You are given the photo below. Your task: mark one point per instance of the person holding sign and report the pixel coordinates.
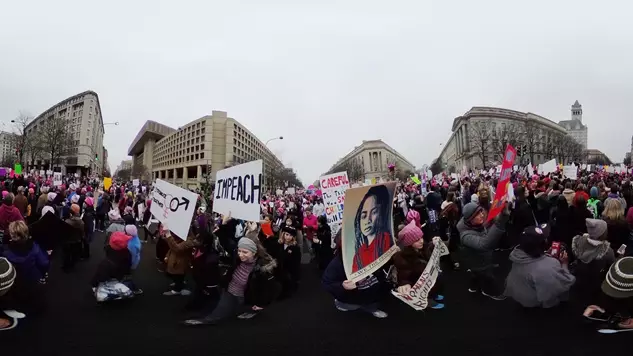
(411, 261)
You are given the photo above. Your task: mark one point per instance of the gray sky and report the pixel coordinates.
(324, 74)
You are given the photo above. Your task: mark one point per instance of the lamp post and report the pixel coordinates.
(273, 139)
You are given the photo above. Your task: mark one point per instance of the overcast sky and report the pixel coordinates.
(323, 74)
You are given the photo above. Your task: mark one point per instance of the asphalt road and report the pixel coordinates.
(306, 324)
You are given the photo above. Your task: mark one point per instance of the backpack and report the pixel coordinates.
(592, 206)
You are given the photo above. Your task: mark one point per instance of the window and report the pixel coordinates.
(202, 146)
(202, 155)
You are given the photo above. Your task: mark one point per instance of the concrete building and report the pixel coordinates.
(82, 114)
(124, 165)
(595, 156)
(7, 149)
(372, 157)
(460, 149)
(575, 127)
(106, 164)
(204, 146)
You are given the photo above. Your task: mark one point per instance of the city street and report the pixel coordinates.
(307, 324)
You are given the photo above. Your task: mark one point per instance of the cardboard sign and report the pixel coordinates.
(17, 168)
(290, 190)
(238, 190)
(135, 182)
(570, 172)
(107, 182)
(333, 187)
(173, 206)
(502, 187)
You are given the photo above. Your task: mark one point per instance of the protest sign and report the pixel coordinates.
(238, 190)
(42, 172)
(549, 167)
(502, 187)
(107, 182)
(570, 172)
(173, 206)
(333, 187)
(17, 168)
(3, 172)
(367, 240)
(140, 208)
(418, 296)
(135, 182)
(290, 190)
(57, 179)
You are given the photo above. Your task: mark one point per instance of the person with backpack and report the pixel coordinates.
(594, 204)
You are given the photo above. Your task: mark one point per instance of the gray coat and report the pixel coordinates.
(477, 245)
(537, 282)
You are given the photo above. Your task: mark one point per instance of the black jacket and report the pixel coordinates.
(290, 262)
(115, 266)
(261, 287)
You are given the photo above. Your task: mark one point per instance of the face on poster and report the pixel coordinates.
(367, 233)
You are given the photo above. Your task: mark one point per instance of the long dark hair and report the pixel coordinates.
(381, 194)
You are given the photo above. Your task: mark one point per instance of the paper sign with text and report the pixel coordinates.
(238, 190)
(135, 182)
(173, 206)
(333, 187)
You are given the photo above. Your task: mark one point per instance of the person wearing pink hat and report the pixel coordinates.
(117, 262)
(411, 261)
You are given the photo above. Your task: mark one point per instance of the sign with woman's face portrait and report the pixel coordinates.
(367, 239)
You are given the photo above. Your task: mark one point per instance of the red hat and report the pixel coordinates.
(410, 234)
(119, 240)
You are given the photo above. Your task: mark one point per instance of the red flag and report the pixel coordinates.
(502, 187)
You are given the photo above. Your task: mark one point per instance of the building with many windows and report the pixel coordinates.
(465, 143)
(7, 147)
(82, 115)
(575, 127)
(371, 160)
(125, 164)
(595, 156)
(184, 156)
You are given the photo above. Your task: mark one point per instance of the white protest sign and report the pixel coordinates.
(57, 179)
(279, 192)
(290, 190)
(570, 172)
(140, 208)
(418, 296)
(549, 166)
(135, 182)
(173, 206)
(238, 190)
(333, 187)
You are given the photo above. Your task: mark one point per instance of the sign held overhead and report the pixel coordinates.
(173, 206)
(238, 190)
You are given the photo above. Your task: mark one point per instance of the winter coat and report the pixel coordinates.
(206, 267)
(179, 256)
(569, 195)
(618, 232)
(311, 226)
(80, 230)
(477, 244)
(324, 249)
(289, 262)
(89, 222)
(20, 202)
(261, 286)
(30, 262)
(537, 281)
(368, 291)
(134, 246)
(592, 261)
(410, 264)
(8, 214)
(520, 218)
(116, 265)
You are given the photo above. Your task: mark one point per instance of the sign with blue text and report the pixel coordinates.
(173, 206)
(238, 191)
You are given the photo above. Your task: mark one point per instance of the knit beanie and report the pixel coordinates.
(247, 244)
(594, 192)
(89, 201)
(413, 215)
(51, 196)
(410, 234)
(469, 210)
(619, 280)
(596, 228)
(474, 198)
(74, 209)
(128, 210)
(48, 209)
(7, 275)
(289, 229)
(5, 193)
(119, 240)
(131, 230)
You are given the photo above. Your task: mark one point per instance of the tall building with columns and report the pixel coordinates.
(183, 156)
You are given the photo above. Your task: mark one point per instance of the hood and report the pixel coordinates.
(266, 264)
(519, 256)
(569, 193)
(587, 249)
(445, 204)
(20, 252)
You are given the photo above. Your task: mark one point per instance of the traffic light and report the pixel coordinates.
(96, 156)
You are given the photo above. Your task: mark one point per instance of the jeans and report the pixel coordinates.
(179, 282)
(100, 222)
(369, 308)
(229, 305)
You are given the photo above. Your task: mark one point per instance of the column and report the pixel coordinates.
(200, 172)
(175, 175)
(185, 176)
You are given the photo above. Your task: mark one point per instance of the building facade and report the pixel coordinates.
(595, 156)
(7, 149)
(575, 127)
(185, 156)
(463, 146)
(125, 164)
(82, 115)
(372, 158)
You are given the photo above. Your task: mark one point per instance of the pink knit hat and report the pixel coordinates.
(5, 193)
(413, 215)
(409, 235)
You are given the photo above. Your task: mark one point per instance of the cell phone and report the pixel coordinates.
(622, 249)
(555, 249)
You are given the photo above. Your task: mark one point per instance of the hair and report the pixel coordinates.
(282, 240)
(614, 188)
(580, 187)
(381, 194)
(8, 200)
(450, 196)
(581, 202)
(568, 185)
(613, 210)
(519, 193)
(19, 231)
(534, 247)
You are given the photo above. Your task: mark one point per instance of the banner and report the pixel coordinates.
(418, 296)
(502, 187)
(367, 240)
(333, 187)
(238, 190)
(173, 206)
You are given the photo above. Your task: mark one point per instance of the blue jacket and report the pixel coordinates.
(31, 263)
(134, 246)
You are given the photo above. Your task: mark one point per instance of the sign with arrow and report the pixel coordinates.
(173, 206)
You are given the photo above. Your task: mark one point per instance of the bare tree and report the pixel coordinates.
(530, 138)
(8, 160)
(355, 171)
(56, 140)
(34, 147)
(437, 166)
(140, 171)
(504, 136)
(19, 141)
(124, 174)
(481, 139)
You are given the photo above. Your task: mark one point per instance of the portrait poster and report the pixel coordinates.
(367, 237)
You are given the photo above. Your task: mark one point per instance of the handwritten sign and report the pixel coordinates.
(135, 182)
(333, 187)
(418, 296)
(173, 206)
(238, 190)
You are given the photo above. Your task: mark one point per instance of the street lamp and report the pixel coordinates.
(273, 139)
(116, 123)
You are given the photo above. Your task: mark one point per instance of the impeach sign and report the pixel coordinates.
(238, 190)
